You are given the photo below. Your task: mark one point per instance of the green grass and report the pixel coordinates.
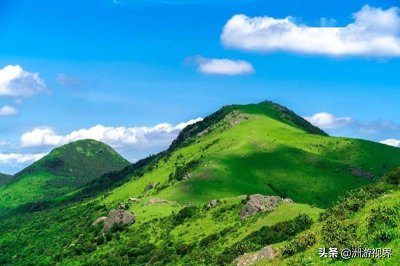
(64, 170)
(264, 155)
(240, 150)
(360, 219)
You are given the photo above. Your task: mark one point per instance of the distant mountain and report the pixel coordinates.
(5, 178)
(62, 171)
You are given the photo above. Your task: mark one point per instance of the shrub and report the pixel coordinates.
(300, 243)
(336, 233)
(393, 177)
(184, 214)
(381, 223)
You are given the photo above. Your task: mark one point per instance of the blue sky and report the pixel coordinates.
(138, 64)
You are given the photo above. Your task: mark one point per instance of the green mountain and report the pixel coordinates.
(191, 204)
(260, 148)
(5, 178)
(64, 170)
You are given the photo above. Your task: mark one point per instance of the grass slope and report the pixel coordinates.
(65, 169)
(259, 148)
(368, 217)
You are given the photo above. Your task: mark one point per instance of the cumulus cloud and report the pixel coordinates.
(16, 82)
(160, 135)
(7, 110)
(17, 158)
(228, 67)
(328, 121)
(391, 142)
(374, 32)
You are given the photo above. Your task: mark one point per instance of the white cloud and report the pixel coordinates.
(65, 80)
(391, 142)
(7, 110)
(160, 135)
(16, 82)
(328, 121)
(374, 32)
(17, 158)
(223, 66)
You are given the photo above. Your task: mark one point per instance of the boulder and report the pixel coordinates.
(134, 200)
(249, 259)
(212, 204)
(288, 201)
(122, 206)
(118, 216)
(260, 203)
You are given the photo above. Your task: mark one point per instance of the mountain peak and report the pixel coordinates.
(267, 108)
(85, 159)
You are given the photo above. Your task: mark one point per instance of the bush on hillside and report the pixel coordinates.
(381, 223)
(339, 234)
(185, 214)
(393, 177)
(299, 243)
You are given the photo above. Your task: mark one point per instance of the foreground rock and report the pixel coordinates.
(260, 203)
(250, 259)
(99, 220)
(116, 217)
(212, 204)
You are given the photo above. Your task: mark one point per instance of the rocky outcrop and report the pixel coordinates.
(235, 117)
(99, 220)
(288, 201)
(134, 200)
(260, 203)
(157, 201)
(114, 217)
(358, 172)
(249, 259)
(212, 204)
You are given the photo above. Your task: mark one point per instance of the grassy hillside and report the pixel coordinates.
(239, 150)
(259, 148)
(64, 170)
(368, 217)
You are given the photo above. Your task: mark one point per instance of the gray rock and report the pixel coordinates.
(122, 206)
(134, 200)
(358, 172)
(288, 201)
(260, 203)
(99, 220)
(118, 216)
(157, 201)
(212, 204)
(249, 259)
